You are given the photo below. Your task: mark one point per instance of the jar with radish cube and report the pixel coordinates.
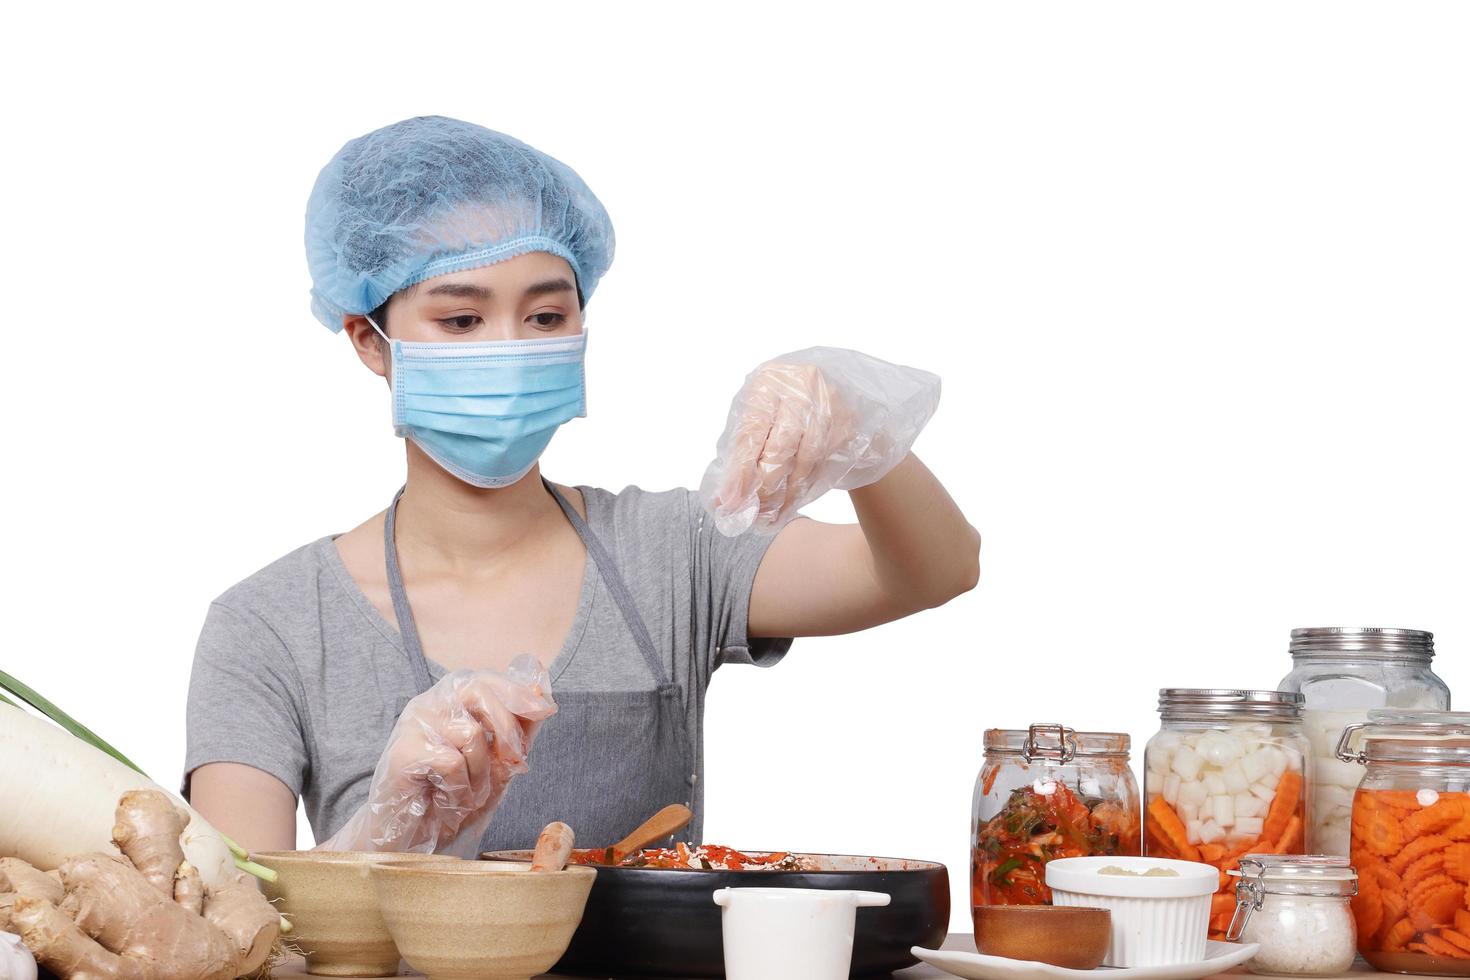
(1226, 777)
(1411, 840)
(1344, 672)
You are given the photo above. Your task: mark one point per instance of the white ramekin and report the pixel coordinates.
(1156, 921)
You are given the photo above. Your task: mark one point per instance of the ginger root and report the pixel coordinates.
(147, 831)
(108, 918)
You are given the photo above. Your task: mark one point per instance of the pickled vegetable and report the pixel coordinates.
(1412, 852)
(1039, 823)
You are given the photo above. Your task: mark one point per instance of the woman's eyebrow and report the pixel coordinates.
(470, 290)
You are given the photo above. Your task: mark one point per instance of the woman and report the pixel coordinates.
(376, 672)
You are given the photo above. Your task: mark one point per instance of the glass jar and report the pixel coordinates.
(1047, 792)
(1343, 672)
(1297, 909)
(1223, 778)
(1411, 840)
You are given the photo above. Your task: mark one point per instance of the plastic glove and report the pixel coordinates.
(449, 761)
(809, 422)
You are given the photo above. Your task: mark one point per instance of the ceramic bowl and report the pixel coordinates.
(1074, 938)
(333, 908)
(486, 920)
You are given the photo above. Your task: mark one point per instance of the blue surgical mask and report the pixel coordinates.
(486, 410)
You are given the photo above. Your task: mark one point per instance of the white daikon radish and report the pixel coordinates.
(1188, 812)
(1214, 784)
(1193, 793)
(1249, 826)
(1246, 805)
(1191, 831)
(1223, 808)
(1222, 749)
(58, 799)
(1211, 832)
(1235, 781)
(1187, 762)
(1171, 788)
(1266, 792)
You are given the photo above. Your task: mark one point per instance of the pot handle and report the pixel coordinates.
(722, 897)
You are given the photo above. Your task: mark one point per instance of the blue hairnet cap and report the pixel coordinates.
(432, 195)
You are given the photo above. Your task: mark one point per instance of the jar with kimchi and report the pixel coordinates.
(1225, 777)
(1411, 840)
(1047, 792)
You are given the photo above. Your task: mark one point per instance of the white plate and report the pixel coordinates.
(1219, 957)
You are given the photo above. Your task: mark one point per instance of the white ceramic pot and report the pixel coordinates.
(1157, 921)
(790, 933)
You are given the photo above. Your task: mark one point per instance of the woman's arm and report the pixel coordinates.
(912, 549)
(247, 804)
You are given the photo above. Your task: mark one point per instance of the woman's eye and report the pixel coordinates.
(548, 320)
(465, 322)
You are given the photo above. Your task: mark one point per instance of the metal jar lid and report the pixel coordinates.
(1213, 703)
(1396, 735)
(1361, 643)
(1055, 743)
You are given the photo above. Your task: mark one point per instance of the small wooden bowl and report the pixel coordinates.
(1071, 937)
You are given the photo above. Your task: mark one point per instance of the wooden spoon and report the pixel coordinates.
(553, 848)
(663, 823)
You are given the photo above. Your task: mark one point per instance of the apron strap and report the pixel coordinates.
(595, 550)
(406, 626)
(615, 584)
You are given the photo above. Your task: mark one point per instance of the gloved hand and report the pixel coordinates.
(809, 422)
(449, 760)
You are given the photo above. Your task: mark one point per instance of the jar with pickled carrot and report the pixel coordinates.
(1411, 840)
(1225, 777)
(1046, 792)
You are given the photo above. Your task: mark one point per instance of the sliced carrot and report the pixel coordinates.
(1467, 896)
(1435, 907)
(1414, 850)
(1382, 835)
(1444, 948)
(1283, 805)
(1291, 837)
(1397, 935)
(1421, 948)
(1163, 819)
(1220, 904)
(1447, 810)
(1457, 937)
(1403, 799)
(1433, 882)
(1211, 853)
(1382, 876)
(1394, 907)
(1457, 861)
(1430, 864)
(1368, 907)
(1462, 921)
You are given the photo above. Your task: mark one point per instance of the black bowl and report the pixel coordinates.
(658, 922)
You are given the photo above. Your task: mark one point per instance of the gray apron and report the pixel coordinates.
(607, 760)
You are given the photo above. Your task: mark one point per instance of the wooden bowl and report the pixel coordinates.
(1074, 938)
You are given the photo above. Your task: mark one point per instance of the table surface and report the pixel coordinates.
(296, 967)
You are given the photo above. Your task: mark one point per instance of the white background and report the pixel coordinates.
(1194, 276)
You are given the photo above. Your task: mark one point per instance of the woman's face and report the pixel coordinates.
(531, 295)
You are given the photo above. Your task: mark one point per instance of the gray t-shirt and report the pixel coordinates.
(297, 673)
